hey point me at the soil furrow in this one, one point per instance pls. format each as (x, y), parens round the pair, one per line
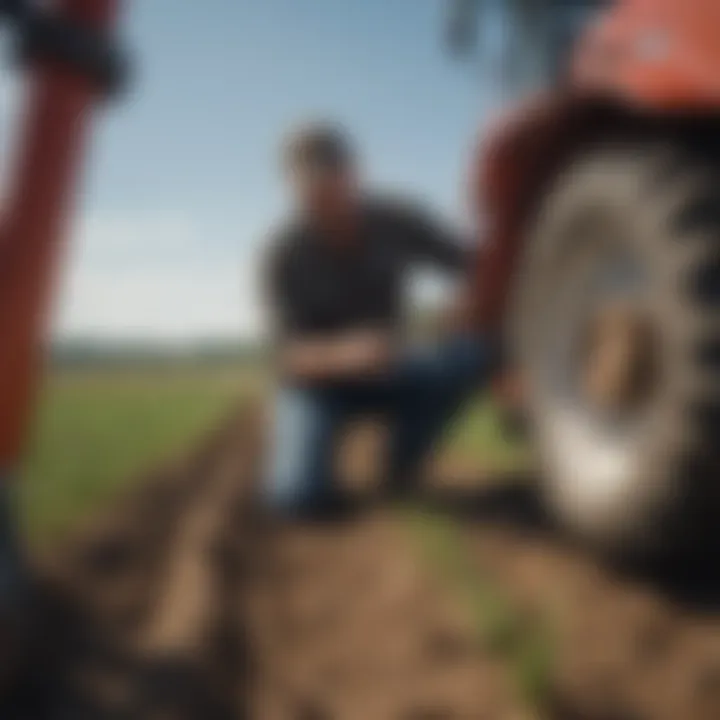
(186, 604)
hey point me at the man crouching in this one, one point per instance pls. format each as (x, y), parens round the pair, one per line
(337, 275)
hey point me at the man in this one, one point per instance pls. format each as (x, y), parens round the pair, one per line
(336, 276)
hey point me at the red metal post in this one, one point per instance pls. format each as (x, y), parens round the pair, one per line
(40, 202)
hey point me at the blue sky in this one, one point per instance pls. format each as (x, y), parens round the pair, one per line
(183, 180)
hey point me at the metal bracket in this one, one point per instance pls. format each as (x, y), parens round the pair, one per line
(48, 35)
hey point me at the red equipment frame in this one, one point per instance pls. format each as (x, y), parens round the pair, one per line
(39, 203)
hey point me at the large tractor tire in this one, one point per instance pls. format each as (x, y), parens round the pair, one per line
(618, 336)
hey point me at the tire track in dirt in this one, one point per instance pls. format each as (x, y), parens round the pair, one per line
(111, 644)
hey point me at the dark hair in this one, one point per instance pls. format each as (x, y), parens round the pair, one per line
(317, 145)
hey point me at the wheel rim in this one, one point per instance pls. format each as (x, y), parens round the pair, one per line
(592, 422)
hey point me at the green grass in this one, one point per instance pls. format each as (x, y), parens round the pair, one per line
(478, 438)
(526, 645)
(97, 431)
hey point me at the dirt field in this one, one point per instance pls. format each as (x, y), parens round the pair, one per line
(187, 605)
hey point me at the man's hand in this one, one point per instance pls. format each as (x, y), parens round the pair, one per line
(363, 352)
(353, 355)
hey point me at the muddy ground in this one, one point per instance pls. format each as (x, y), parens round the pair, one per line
(185, 604)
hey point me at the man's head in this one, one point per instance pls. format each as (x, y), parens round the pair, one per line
(321, 170)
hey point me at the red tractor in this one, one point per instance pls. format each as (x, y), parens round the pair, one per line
(602, 191)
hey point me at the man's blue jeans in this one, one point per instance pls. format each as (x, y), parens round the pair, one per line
(417, 400)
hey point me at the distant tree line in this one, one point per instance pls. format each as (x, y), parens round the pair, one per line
(80, 352)
(83, 352)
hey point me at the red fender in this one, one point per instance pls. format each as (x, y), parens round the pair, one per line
(40, 202)
(662, 55)
(515, 158)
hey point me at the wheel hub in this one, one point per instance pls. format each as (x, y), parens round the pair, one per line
(619, 367)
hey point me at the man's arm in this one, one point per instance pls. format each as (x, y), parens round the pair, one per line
(347, 355)
(432, 241)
